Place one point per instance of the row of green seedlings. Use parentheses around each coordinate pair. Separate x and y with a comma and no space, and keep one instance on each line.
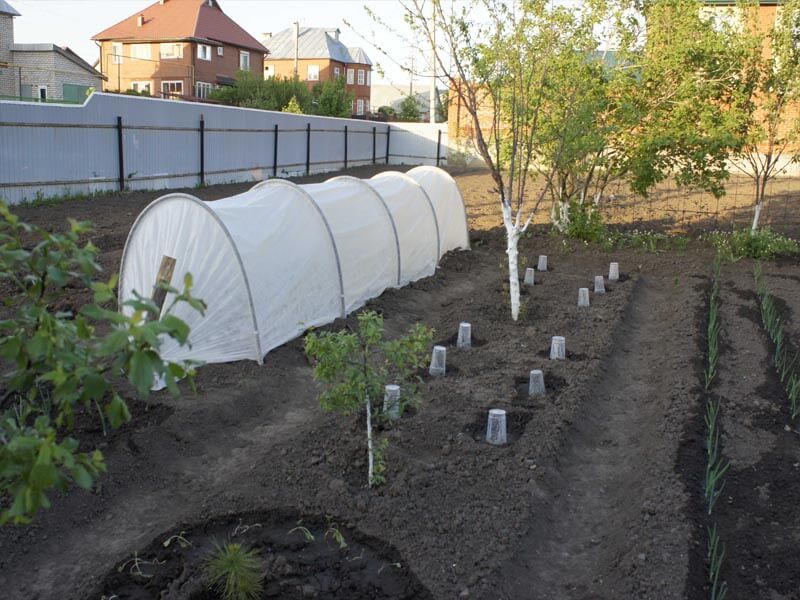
(234,571)
(790,378)
(716,465)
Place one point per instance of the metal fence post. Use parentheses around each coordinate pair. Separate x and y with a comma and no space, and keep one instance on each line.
(120,155)
(308,149)
(438,147)
(388,131)
(275,153)
(373,145)
(345,146)
(202,150)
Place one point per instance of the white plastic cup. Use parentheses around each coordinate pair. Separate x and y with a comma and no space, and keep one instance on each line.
(599,285)
(529,276)
(391,401)
(438,361)
(558,348)
(536,383)
(496,427)
(613,271)
(542,266)
(464,336)
(583,297)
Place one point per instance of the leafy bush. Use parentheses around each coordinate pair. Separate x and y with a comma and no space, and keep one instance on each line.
(764,244)
(235,572)
(356,365)
(57,361)
(585,223)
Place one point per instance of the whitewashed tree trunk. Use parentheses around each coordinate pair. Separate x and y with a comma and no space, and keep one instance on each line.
(512,238)
(559,215)
(370,455)
(756,216)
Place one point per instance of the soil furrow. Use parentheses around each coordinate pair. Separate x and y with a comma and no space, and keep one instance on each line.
(614,505)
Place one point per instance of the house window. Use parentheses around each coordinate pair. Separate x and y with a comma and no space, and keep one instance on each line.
(350,76)
(361,77)
(170,89)
(140,51)
(337,72)
(244,60)
(313,72)
(203,52)
(141,86)
(202,89)
(43,93)
(170,50)
(116,53)
(220,51)
(360,106)
(369,77)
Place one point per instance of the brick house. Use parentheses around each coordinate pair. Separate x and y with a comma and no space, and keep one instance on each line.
(41,71)
(177,49)
(316,54)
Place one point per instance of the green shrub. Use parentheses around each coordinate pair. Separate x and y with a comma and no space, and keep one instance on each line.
(585,223)
(235,572)
(764,244)
(55,360)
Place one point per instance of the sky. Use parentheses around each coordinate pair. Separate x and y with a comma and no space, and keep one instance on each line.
(73,23)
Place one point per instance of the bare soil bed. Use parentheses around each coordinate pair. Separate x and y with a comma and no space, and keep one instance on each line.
(594,497)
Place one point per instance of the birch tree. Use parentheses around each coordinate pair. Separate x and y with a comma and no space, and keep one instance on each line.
(500,60)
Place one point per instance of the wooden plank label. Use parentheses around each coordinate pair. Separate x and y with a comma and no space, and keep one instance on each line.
(165,272)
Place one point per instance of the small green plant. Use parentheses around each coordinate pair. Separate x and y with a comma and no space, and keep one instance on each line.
(304,530)
(234,572)
(180,539)
(714,557)
(585,223)
(357,364)
(763,244)
(134,566)
(334,531)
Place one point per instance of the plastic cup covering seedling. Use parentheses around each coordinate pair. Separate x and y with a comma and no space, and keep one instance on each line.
(529,276)
(536,383)
(583,297)
(558,348)
(542,266)
(496,427)
(438,360)
(613,271)
(599,285)
(464,336)
(391,401)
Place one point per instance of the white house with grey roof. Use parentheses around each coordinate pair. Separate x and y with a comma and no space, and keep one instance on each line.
(41,71)
(316,54)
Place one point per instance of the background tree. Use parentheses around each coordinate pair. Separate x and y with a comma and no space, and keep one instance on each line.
(771,80)
(331,98)
(59,363)
(293,106)
(409,110)
(274,93)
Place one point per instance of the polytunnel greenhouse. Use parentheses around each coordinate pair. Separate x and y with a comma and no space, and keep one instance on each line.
(280,258)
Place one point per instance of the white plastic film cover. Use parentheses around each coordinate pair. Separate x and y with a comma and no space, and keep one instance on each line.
(449,204)
(280,258)
(416,226)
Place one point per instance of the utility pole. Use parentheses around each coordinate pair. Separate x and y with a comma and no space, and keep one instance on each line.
(433,94)
(296,47)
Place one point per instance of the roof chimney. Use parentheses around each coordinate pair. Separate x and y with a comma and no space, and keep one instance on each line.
(336,34)
(140,20)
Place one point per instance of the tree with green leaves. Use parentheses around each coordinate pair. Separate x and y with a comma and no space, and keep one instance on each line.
(58,361)
(409,110)
(274,93)
(770,78)
(332,99)
(355,365)
(293,106)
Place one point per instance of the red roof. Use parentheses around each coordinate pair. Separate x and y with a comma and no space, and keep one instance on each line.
(181,20)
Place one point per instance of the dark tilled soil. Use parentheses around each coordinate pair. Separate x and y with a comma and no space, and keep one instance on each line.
(591,499)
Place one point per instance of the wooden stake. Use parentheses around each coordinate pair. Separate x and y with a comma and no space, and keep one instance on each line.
(165,272)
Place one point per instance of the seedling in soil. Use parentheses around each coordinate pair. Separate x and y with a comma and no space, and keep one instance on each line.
(136,566)
(716,466)
(714,557)
(333,531)
(182,541)
(242,529)
(305,531)
(234,572)
(496,427)
(355,366)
